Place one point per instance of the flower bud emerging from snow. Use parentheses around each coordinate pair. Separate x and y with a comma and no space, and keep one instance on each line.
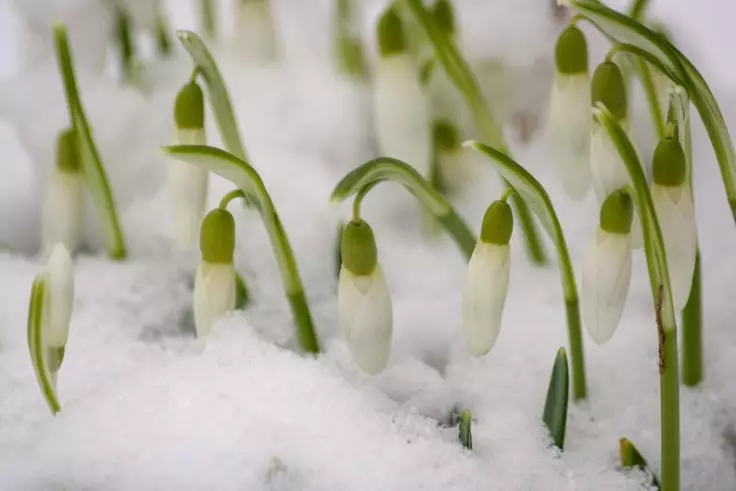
(487,280)
(59,299)
(569,119)
(444,16)
(673,203)
(364,303)
(214,285)
(607,268)
(63,202)
(188,183)
(606,166)
(399,103)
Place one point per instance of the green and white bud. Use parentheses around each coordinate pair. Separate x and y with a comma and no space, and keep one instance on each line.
(569,119)
(399,103)
(59,298)
(188,183)
(364,303)
(455,166)
(673,203)
(215,291)
(444,17)
(63,202)
(606,166)
(487,280)
(255,32)
(607,268)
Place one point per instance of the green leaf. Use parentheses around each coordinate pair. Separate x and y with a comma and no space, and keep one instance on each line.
(338,248)
(246,178)
(631,457)
(534,194)
(36,346)
(219,98)
(464,434)
(94,172)
(242,297)
(623,29)
(388,169)
(555,408)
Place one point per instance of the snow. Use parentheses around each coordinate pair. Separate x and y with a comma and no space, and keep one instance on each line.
(146,406)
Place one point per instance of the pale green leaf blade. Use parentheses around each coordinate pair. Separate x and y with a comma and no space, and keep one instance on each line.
(36,346)
(555,406)
(94,172)
(219,98)
(631,457)
(465,434)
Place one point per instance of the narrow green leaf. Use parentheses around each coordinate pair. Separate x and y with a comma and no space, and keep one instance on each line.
(338,248)
(464,433)
(623,29)
(208,13)
(555,408)
(246,178)
(242,297)
(219,98)
(36,346)
(94,172)
(631,457)
(388,169)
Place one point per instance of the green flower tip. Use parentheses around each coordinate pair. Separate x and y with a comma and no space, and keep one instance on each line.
(444,16)
(617,213)
(67,158)
(217,237)
(571,53)
(498,223)
(668,165)
(358,247)
(445,135)
(189,107)
(608,88)
(391,37)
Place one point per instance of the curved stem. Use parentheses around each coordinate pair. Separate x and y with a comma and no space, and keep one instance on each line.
(509,191)
(234,194)
(358,201)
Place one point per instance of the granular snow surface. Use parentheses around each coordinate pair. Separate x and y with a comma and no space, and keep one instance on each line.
(146,406)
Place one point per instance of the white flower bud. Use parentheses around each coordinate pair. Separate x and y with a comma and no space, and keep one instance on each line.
(63,209)
(569,132)
(366,317)
(676,215)
(214,294)
(401,112)
(606,277)
(255,34)
(188,189)
(59,298)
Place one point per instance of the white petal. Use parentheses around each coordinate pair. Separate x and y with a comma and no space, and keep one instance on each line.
(63,210)
(188,190)
(60,296)
(568,131)
(366,318)
(676,214)
(606,166)
(457,169)
(484,296)
(401,113)
(255,34)
(606,277)
(214,294)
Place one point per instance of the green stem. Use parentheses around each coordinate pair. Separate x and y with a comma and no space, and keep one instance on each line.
(125,44)
(208,12)
(459,232)
(303,320)
(533,242)
(638,7)
(650,89)
(670,414)
(692,334)
(234,194)
(577,359)
(163,37)
(348,46)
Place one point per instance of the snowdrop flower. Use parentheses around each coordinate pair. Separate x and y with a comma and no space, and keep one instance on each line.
(63,202)
(399,105)
(569,120)
(607,268)
(673,203)
(214,284)
(607,169)
(188,183)
(59,298)
(363,300)
(454,168)
(255,34)
(487,280)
